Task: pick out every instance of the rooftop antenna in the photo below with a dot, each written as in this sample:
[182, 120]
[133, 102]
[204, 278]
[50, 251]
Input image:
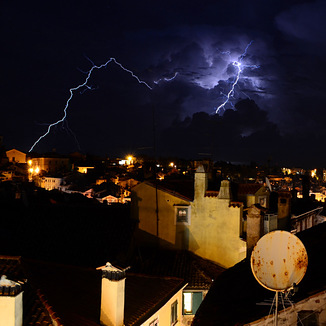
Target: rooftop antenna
[279, 262]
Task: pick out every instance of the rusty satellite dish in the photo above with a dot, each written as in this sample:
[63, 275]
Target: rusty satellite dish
[279, 260]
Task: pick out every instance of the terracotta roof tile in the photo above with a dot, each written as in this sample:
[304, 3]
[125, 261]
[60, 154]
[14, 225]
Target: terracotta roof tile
[34, 311]
[75, 293]
[248, 188]
[211, 193]
[196, 271]
[145, 294]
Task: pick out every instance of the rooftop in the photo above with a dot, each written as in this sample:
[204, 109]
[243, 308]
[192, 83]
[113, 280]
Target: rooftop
[35, 308]
[198, 272]
[75, 292]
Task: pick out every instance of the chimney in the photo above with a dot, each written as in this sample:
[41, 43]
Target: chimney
[113, 296]
[225, 191]
[255, 226]
[201, 182]
[284, 210]
[11, 303]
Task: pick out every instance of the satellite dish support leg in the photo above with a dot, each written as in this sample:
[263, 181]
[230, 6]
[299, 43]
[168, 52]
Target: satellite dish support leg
[276, 307]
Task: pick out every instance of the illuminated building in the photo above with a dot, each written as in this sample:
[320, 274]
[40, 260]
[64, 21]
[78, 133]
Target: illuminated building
[16, 156]
[50, 163]
[206, 222]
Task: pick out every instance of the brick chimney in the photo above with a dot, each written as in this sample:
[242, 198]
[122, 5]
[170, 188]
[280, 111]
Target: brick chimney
[11, 303]
[113, 296]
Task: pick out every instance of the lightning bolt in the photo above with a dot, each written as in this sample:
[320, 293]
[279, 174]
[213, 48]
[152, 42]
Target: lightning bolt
[83, 87]
[166, 79]
[238, 64]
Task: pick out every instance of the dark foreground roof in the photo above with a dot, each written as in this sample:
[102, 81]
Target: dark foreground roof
[183, 188]
[198, 272]
[35, 308]
[75, 293]
[233, 297]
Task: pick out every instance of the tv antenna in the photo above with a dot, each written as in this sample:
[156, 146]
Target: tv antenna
[279, 262]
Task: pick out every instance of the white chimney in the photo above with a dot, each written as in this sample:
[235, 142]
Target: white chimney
[11, 303]
[113, 296]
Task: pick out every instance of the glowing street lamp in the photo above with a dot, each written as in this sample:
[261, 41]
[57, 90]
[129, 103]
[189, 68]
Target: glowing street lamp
[130, 160]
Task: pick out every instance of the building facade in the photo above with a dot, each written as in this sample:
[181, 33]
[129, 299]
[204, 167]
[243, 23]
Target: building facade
[209, 224]
[16, 156]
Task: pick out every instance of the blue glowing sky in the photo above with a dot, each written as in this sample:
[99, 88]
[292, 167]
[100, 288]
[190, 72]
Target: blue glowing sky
[276, 112]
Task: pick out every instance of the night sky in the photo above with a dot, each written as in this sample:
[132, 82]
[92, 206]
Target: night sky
[276, 113]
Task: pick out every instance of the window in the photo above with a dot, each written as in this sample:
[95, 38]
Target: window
[283, 201]
[174, 312]
[191, 302]
[262, 200]
[154, 322]
[182, 214]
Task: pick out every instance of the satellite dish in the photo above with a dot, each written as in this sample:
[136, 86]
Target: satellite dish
[279, 260]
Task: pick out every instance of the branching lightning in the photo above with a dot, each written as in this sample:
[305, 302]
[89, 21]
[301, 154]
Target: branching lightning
[82, 87]
[238, 64]
[86, 86]
[166, 79]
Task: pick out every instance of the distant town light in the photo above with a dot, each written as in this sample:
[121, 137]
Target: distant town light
[314, 173]
[130, 160]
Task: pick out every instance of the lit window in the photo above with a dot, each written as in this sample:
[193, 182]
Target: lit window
[174, 312]
[182, 214]
[187, 303]
[191, 302]
[262, 200]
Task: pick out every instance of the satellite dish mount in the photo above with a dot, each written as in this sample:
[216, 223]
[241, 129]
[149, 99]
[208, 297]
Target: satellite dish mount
[279, 262]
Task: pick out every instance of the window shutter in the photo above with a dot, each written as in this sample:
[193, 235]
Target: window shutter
[197, 298]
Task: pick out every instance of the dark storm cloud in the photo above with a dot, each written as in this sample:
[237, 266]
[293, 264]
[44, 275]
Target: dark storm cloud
[301, 54]
[202, 56]
[305, 22]
[45, 51]
[238, 133]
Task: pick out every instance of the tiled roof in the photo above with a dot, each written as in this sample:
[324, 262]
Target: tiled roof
[196, 271]
[75, 293]
[185, 188]
[146, 294]
[235, 204]
[248, 188]
[34, 308]
[211, 193]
